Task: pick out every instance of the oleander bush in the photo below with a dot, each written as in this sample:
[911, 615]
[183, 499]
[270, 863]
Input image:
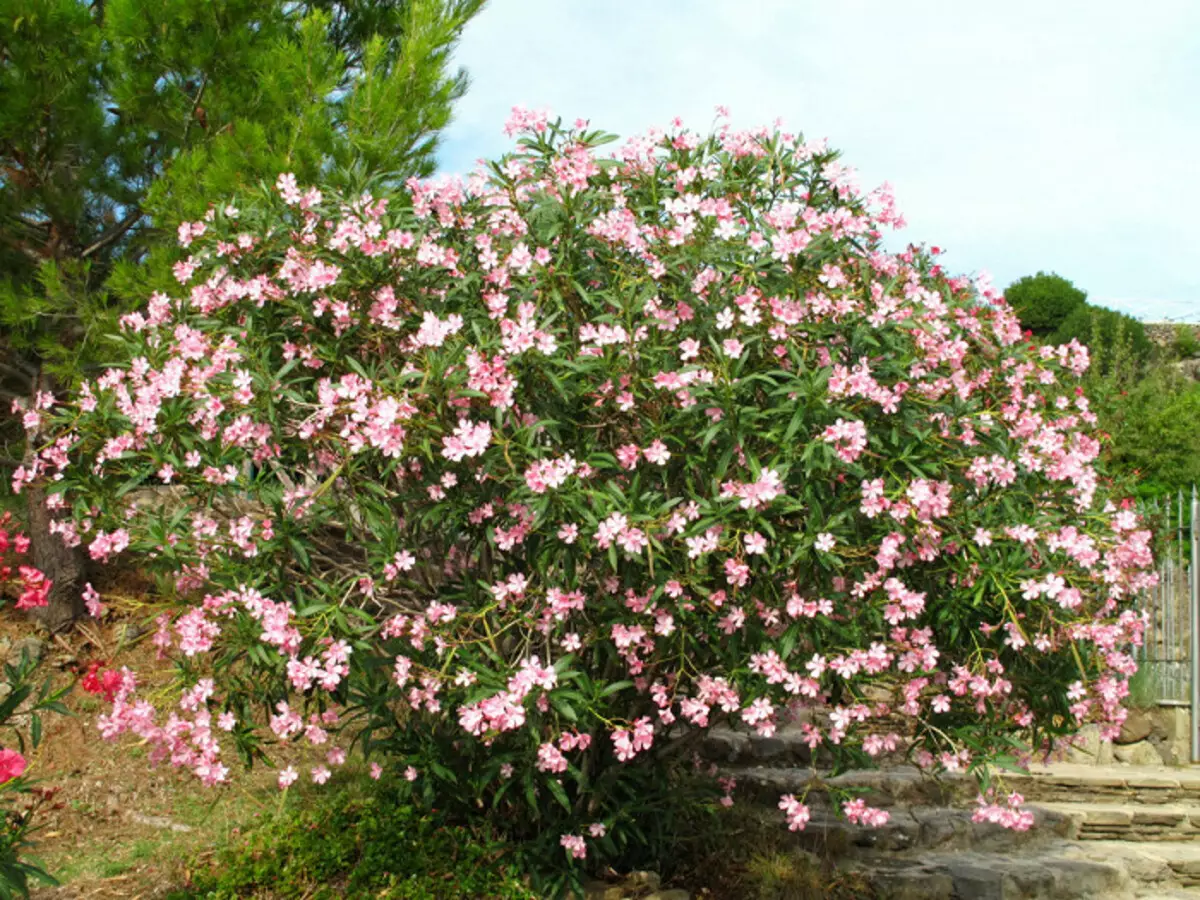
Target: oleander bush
[518, 484]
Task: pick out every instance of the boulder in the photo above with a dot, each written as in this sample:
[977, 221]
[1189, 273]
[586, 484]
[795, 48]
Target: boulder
[1137, 727]
[1085, 746]
[1140, 754]
[33, 646]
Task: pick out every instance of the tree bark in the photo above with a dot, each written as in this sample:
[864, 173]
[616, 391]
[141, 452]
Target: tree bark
[65, 566]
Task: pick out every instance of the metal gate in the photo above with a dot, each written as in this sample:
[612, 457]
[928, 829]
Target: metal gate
[1170, 655]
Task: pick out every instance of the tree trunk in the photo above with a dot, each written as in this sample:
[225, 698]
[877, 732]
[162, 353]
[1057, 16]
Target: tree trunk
[65, 566]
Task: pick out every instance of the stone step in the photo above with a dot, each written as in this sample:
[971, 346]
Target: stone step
[1049, 875]
[1126, 821]
[1070, 783]
[885, 788]
[921, 828]
[1164, 865]
[1063, 871]
[1055, 783]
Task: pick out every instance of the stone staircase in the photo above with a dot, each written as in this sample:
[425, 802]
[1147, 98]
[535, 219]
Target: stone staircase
[1102, 833]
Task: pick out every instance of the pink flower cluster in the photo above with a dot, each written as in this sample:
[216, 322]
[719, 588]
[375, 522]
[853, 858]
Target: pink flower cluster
[553, 462]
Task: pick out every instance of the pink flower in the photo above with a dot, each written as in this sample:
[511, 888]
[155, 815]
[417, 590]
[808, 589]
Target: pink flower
[857, 812]
[627, 455]
[657, 453]
[849, 439]
[12, 765]
[796, 813]
[550, 759]
[288, 777]
[576, 848]
[468, 440]
[91, 601]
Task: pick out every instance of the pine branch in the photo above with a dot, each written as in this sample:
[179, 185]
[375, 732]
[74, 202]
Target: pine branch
[114, 234]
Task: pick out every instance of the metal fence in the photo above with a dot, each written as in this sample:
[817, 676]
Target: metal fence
[1171, 652]
[1167, 654]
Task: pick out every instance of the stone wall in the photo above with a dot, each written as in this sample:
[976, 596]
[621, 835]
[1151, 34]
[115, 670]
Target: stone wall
[1158, 736]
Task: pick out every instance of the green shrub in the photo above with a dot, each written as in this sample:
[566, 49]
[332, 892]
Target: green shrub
[1103, 331]
[351, 843]
[1150, 415]
[1186, 344]
[1044, 301]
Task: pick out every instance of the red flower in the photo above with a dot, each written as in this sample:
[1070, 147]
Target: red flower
[12, 764]
[104, 683]
[35, 588]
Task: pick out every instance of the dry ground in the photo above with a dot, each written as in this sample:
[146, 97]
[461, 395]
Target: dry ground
[117, 827]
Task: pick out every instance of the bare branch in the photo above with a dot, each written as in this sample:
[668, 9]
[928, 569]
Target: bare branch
[114, 234]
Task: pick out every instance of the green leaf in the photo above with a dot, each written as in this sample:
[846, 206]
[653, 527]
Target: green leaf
[559, 794]
[615, 686]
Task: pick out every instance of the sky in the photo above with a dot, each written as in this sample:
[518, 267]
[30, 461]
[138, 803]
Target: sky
[1020, 136]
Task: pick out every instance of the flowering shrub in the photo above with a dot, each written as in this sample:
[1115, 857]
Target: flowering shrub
[30, 587]
[20, 798]
[522, 482]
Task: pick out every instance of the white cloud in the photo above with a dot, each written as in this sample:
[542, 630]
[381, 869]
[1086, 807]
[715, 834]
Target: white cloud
[1020, 135]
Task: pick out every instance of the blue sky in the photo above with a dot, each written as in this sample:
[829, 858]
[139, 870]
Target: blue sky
[1019, 135]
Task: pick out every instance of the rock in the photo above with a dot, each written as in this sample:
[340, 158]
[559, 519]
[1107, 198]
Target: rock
[725, 745]
[602, 890]
[30, 645]
[128, 632]
[977, 880]
[767, 748]
[644, 885]
[643, 881]
[916, 883]
[159, 822]
[1140, 754]
[1137, 727]
[1189, 367]
[1084, 877]
[874, 693]
[1085, 747]
[1175, 753]
[1171, 723]
[795, 740]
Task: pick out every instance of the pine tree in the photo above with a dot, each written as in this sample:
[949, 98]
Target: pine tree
[121, 118]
